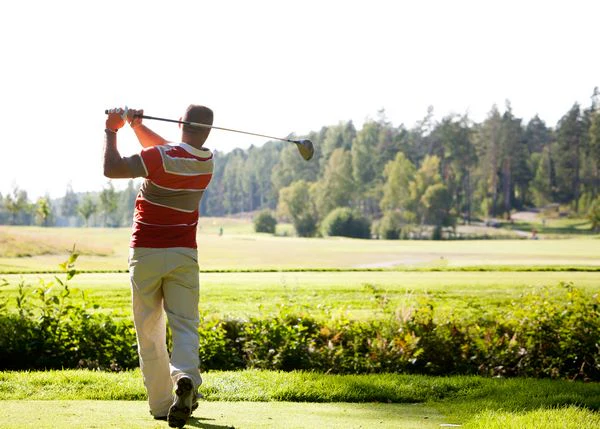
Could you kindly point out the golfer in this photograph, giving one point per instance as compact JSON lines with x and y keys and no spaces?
{"x":163,"y":261}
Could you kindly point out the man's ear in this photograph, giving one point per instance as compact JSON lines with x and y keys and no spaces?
{"x":180,"y":119}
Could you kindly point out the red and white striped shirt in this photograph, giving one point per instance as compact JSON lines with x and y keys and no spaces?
{"x":166,"y":208}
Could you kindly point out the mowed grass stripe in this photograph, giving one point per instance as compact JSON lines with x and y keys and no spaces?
{"x":355,"y":294}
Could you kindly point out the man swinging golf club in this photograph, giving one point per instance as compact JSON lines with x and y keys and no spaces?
{"x":163,"y":261}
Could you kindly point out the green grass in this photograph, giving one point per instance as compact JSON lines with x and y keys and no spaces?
{"x":107,"y":249}
{"x":473,"y":402}
{"x":357,"y":295}
{"x":570,"y":417}
{"x":250,"y":399}
{"x":219,"y":415}
{"x":552,"y":227}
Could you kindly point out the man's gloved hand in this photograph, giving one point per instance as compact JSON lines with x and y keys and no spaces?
{"x":134,"y":117}
{"x":115,"y":119}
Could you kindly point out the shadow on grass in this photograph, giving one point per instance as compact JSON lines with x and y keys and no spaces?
{"x":199,"y":422}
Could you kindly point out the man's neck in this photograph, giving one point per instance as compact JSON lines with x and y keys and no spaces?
{"x":194,"y":142}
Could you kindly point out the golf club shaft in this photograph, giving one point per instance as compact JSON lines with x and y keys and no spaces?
{"x":196,"y":124}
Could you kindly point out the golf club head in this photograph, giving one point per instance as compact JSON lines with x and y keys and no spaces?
{"x":306,"y":148}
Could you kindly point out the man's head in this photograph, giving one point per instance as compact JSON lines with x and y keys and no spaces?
{"x":201,"y":115}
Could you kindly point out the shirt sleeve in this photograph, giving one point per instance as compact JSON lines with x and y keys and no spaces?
{"x":136,"y":166}
{"x":151,"y":159}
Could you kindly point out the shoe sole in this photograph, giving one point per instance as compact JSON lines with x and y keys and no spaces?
{"x":179,"y":413}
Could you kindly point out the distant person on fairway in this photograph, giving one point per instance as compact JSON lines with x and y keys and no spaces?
{"x":163,"y":259}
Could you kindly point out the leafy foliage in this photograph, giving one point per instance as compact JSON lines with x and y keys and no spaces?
{"x":548,"y":333}
{"x":344,"y":222}
{"x":265,"y":222}
{"x":49,"y":331}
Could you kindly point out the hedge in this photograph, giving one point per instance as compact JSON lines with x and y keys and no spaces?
{"x":552,"y":332}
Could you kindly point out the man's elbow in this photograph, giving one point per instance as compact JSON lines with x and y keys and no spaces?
{"x":109,"y":174}
{"x":109,"y":171}
{"x":116,"y":171}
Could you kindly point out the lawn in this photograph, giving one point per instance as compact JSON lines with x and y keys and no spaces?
{"x":24,"y":249}
{"x":246,"y":274}
{"x":266,"y":399}
{"x":358,"y":295}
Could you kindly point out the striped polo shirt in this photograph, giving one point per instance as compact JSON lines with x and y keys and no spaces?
{"x":166,"y":207}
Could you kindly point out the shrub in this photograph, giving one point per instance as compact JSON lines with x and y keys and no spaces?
{"x":306,"y":225}
{"x":551,"y":332}
{"x":390,"y":226}
{"x":265,"y":222}
{"x":345,"y":222}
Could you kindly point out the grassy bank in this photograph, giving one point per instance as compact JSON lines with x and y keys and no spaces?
{"x":474,"y":402}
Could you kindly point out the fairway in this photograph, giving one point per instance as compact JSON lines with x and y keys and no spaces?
{"x":37,"y":249}
{"x":356,"y":294}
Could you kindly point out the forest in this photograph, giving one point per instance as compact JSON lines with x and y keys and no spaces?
{"x":437,"y":172}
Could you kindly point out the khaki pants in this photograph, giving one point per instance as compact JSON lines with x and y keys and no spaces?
{"x":165,"y":279}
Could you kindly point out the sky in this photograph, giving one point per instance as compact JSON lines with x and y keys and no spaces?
{"x":272,"y":67}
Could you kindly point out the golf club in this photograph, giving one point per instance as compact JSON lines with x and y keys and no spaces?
{"x":305,"y":147}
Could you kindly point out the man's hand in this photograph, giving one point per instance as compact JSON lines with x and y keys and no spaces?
{"x":134,"y":117}
{"x":115,"y":119}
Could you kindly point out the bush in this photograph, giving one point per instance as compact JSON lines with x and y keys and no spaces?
{"x":265,"y":222}
{"x":551,"y":333}
{"x":344,"y":222}
{"x":48,"y":332}
{"x":390,"y":226}
{"x":306,"y":225}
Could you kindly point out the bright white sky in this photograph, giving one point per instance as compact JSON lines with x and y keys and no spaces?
{"x":272,"y":67}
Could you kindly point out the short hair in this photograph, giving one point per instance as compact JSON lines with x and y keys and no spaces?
{"x":199,"y":114}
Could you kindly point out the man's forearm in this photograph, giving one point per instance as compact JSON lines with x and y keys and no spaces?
{"x":147,"y":137}
{"x":114,"y":166}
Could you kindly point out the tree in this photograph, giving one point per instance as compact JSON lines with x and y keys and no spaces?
{"x":233,"y":198}
{"x":43,"y":210}
{"x":336,"y":188}
{"x":514,"y":156}
{"x":291,"y":168}
{"x":489,"y":145}
{"x":296,"y":203}
{"x":593,"y":215}
{"x":109,"y":202}
{"x":212,"y":203}
{"x":436,"y":202}
{"x":69,"y":202}
{"x":594,"y":158}
{"x":17,"y":204}
{"x":542,"y":184}
{"x":126,"y":203}
{"x":537,"y":135}
{"x":396,"y":189}
{"x":452,"y":143}
{"x":426,"y":176}
{"x":364,"y":164}
{"x":337,"y":137}
{"x":86,"y":208}
{"x":568,"y":156}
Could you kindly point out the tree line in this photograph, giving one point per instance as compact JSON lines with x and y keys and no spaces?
{"x":437,"y":172}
